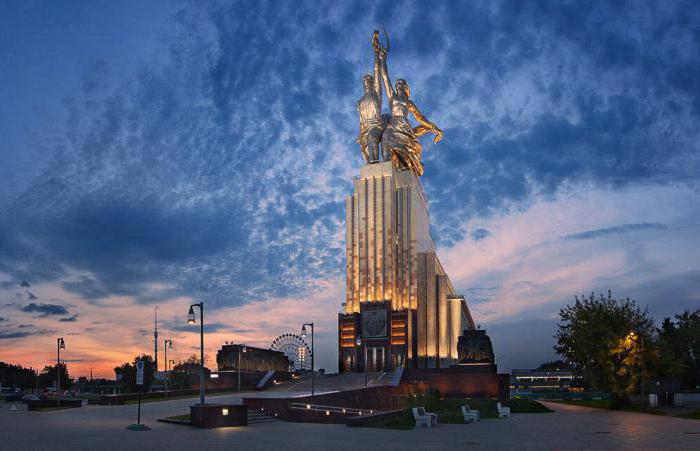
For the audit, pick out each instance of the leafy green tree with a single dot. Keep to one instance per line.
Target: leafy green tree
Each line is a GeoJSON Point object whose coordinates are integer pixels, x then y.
{"type": "Point", "coordinates": [127, 373]}
{"type": "Point", "coordinates": [48, 376]}
{"type": "Point", "coordinates": [610, 341]}
{"type": "Point", "coordinates": [17, 376]}
{"type": "Point", "coordinates": [555, 365]}
{"type": "Point", "coordinates": [186, 371]}
{"type": "Point", "coordinates": [680, 348]}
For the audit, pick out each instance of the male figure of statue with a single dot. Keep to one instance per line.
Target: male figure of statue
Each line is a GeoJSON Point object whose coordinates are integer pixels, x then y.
{"type": "Point", "coordinates": [372, 123]}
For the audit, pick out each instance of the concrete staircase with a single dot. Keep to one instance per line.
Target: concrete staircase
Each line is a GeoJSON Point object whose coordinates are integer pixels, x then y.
{"type": "Point", "coordinates": [255, 417]}
{"type": "Point", "coordinates": [335, 382]}
{"type": "Point", "coordinates": [265, 380]}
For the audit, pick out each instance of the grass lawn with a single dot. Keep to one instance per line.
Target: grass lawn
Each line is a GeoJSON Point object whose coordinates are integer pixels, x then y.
{"type": "Point", "coordinates": [691, 415]}
{"type": "Point", "coordinates": [185, 416]}
{"type": "Point", "coordinates": [48, 409]}
{"type": "Point", "coordinates": [606, 404]}
{"type": "Point", "coordinates": [449, 412]}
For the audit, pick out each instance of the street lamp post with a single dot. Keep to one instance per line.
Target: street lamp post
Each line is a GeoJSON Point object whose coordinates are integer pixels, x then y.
{"type": "Point", "coordinates": [634, 336]}
{"type": "Point", "coordinates": [313, 368]}
{"type": "Point", "coordinates": [241, 349]}
{"type": "Point", "coordinates": [191, 320]}
{"type": "Point", "coordinates": [364, 366]}
{"type": "Point", "coordinates": [60, 344]}
{"type": "Point", "coordinates": [166, 344]}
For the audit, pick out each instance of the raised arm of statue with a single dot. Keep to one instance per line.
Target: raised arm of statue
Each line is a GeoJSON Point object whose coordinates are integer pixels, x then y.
{"type": "Point", "coordinates": [425, 125]}
{"type": "Point", "coordinates": [390, 94]}
{"type": "Point", "coordinates": [377, 66]}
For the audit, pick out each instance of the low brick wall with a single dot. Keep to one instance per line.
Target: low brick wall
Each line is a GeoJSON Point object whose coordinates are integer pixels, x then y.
{"type": "Point", "coordinates": [218, 415]}
{"type": "Point", "coordinates": [38, 404]}
{"type": "Point", "coordinates": [115, 400]}
{"type": "Point", "coordinates": [365, 420]}
{"type": "Point", "coordinates": [459, 381]}
{"type": "Point", "coordinates": [383, 398]}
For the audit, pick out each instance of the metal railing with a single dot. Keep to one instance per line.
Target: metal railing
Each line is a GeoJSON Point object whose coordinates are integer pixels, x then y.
{"type": "Point", "coordinates": [330, 409]}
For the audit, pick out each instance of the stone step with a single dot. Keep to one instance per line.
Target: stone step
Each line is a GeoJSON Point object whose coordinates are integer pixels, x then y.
{"type": "Point", "coordinates": [256, 417]}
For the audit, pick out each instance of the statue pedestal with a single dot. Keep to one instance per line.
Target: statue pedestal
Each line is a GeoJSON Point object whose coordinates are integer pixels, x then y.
{"type": "Point", "coordinates": [463, 381]}
{"type": "Point", "coordinates": [399, 301]}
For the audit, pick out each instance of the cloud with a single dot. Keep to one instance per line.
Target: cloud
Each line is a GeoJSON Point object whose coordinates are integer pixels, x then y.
{"type": "Point", "coordinates": [170, 178]}
{"type": "Point", "coordinates": [45, 309]}
{"type": "Point", "coordinates": [10, 335]}
{"type": "Point", "coordinates": [86, 287]}
{"type": "Point", "coordinates": [69, 319]}
{"type": "Point", "coordinates": [529, 273]}
{"type": "Point", "coordinates": [625, 228]}
{"type": "Point", "coordinates": [209, 327]}
{"type": "Point", "coordinates": [480, 234]}
{"type": "Point", "coordinates": [217, 172]}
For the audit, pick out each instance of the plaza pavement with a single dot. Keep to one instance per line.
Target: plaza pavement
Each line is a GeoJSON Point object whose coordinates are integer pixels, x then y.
{"type": "Point", "coordinates": [570, 427]}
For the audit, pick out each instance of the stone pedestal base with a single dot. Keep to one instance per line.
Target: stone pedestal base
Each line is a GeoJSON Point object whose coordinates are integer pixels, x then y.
{"type": "Point", "coordinates": [218, 415]}
{"type": "Point", "coordinates": [460, 381]}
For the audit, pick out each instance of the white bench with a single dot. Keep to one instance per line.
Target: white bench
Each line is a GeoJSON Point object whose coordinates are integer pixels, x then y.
{"type": "Point", "coordinates": [502, 411]}
{"type": "Point", "coordinates": [424, 418]}
{"type": "Point", "coordinates": [469, 415]}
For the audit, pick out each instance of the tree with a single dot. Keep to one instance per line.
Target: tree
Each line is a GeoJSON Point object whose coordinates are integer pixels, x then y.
{"type": "Point", "coordinates": [186, 371]}
{"type": "Point", "coordinates": [127, 374]}
{"type": "Point", "coordinates": [555, 365]}
{"type": "Point", "coordinates": [609, 341]}
{"type": "Point", "coordinates": [680, 347]}
{"type": "Point", "coordinates": [48, 376]}
{"type": "Point", "coordinates": [17, 376]}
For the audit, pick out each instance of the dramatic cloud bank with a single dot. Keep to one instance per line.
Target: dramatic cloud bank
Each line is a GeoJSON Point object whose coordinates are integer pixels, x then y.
{"type": "Point", "coordinates": [215, 167]}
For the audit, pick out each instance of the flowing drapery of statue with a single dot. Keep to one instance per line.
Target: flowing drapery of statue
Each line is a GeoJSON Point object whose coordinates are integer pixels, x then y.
{"type": "Point", "coordinates": [397, 138]}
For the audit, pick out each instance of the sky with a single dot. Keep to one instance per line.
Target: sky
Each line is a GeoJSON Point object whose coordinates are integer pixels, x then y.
{"type": "Point", "coordinates": [165, 153]}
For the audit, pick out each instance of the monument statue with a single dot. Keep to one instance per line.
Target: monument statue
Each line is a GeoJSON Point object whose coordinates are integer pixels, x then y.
{"type": "Point", "coordinates": [372, 122]}
{"type": "Point", "coordinates": [474, 346]}
{"type": "Point", "coordinates": [399, 140]}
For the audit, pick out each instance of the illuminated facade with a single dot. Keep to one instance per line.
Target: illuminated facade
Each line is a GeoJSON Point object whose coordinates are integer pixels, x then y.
{"type": "Point", "coordinates": [399, 301]}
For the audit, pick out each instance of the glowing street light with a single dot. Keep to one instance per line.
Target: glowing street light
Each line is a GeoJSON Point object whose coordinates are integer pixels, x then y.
{"type": "Point", "coordinates": [60, 344]}
{"type": "Point", "coordinates": [359, 343]}
{"type": "Point", "coordinates": [191, 320]}
{"type": "Point", "coordinates": [303, 335]}
{"type": "Point", "coordinates": [167, 344]}
{"type": "Point", "coordinates": [241, 350]}
{"type": "Point", "coordinates": [634, 336]}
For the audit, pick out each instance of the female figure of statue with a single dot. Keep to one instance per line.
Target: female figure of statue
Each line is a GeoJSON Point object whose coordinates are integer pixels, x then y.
{"type": "Point", "coordinates": [400, 140]}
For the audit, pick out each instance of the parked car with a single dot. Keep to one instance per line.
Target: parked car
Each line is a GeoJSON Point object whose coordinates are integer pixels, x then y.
{"type": "Point", "coordinates": [30, 397]}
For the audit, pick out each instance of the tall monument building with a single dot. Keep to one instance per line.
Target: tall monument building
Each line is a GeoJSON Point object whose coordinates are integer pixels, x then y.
{"type": "Point", "coordinates": [400, 308]}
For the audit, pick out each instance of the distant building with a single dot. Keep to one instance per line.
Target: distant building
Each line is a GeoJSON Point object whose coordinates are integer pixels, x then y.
{"type": "Point", "coordinates": [544, 380]}
{"type": "Point", "coordinates": [251, 359]}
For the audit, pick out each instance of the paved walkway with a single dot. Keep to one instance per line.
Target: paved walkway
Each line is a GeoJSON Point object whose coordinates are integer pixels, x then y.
{"type": "Point", "coordinates": [570, 427]}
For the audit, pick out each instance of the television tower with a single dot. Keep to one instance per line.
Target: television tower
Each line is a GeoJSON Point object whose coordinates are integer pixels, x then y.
{"type": "Point", "coordinates": [155, 339]}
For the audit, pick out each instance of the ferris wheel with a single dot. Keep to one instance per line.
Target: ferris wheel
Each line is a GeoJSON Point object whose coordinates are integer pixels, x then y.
{"type": "Point", "coordinates": [296, 350]}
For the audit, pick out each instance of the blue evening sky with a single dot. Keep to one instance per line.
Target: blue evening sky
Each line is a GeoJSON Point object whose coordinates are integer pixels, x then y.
{"type": "Point", "coordinates": [159, 153]}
